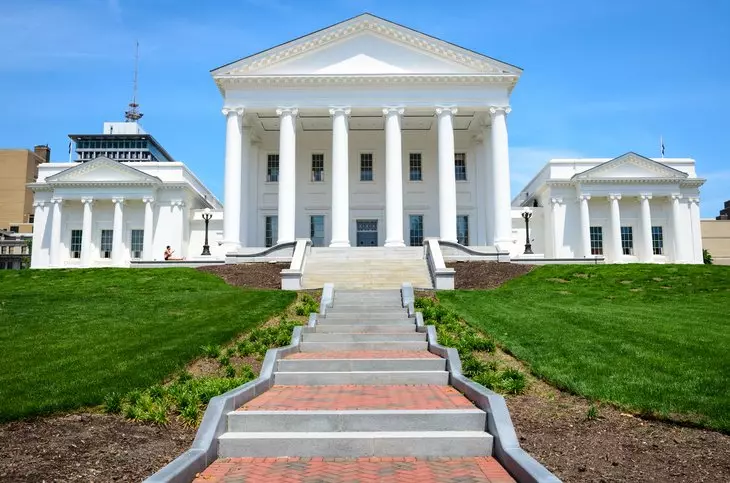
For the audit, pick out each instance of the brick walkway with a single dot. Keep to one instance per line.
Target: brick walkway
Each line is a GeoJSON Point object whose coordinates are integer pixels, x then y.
{"type": "Point", "coordinates": [350, 397]}
{"type": "Point", "coordinates": [364, 355]}
{"type": "Point", "coordinates": [359, 470]}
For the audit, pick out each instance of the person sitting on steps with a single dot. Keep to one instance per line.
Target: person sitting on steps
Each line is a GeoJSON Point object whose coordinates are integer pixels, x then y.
{"type": "Point", "coordinates": [168, 254]}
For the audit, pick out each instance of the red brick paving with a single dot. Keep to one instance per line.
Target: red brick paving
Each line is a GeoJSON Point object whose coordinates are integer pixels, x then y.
{"type": "Point", "coordinates": [364, 355]}
{"type": "Point", "coordinates": [355, 470]}
{"type": "Point", "coordinates": [351, 397]}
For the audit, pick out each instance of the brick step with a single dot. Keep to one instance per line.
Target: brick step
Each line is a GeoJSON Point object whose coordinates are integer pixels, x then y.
{"type": "Point", "coordinates": [365, 328]}
{"type": "Point", "coordinates": [365, 420]}
{"type": "Point", "coordinates": [411, 336]}
{"type": "Point", "coordinates": [334, 365]}
{"type": "Point", "coordinates": [360, 346]}
{"type": "Point", "coordinates": [379, 378]}
{"type": "Point", "coordinates": [420, 444]}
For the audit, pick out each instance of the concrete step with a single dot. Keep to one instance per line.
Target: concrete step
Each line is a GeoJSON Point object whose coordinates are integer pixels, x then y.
{"type": "Point", "coordinates": [333, 365]}
{"type": "Point", "coordinates": [367, 328]}
{"type": "Point", "coordinates": [363, 346]}
{"type": "Point", "coordinates": [370, 307]}
{"type": "Point", "coordinates": [361, 420]}
{"type": "Point", "coordinates": [353, 444]}
{"type": "Point", "coordinates": [337, 320]}
{"type": "Point", "coordinates": [389, 315]}
{"type": "Point", "coordinates": [361, 378]}
{"type": "Point", "coordinates": [330, 337]}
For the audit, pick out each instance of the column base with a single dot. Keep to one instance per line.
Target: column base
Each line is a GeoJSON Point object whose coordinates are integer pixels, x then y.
{"type": "Point", "coordinates": [450, 240]}
{"type": "Point", "coordinates": [394, 243]}
{"type": "Point", "coordinates": [340, 244]}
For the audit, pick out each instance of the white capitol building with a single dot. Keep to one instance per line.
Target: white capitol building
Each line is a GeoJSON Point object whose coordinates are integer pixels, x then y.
{"type": "Point", "coordinates": [365, 134]}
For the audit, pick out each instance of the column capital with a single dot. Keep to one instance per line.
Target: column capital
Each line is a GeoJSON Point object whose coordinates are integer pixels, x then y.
{"type": "Point", "coordinates": [87, 200]}
{"type": "Point", "coordinates": [499, 110]}
{"type": "Point", "coordinates": [645, 196]}
{"type": "Point", "coordinates": [614, 197]}
{"type": "Point", "coordinates": [179, 203]}
{"type": "Point", "coordinates": [232, 110]}
{"type": "Point", "coordinates": [676, 196]}
{"type": "Point", "coordinates": [390, 111]}
{"type": "Point", "coordinates": [37, 204]}
{"type": "Point", "coordinates": [584, 197]}
{"type": "Point", "coordinates": [57, 201]}
{"type": "Point", "coordinates": [556, 201]}
{"type": "Point", "coordinates": [446, 111]}
{"type": "Point", "coordinates": [287, 111]}
{"type": "Point", "coordinates": [118, 200]}
{"type": "Point", "coordinates": [148, 199]}
{"type": "Point", "coordinates": [694, 200]}
{"type": "Point", "coordinates": [340, 111]}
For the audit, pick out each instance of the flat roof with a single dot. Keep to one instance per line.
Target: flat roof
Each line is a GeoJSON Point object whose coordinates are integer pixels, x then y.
{"type": "Point", "coordinates": [148, 137]}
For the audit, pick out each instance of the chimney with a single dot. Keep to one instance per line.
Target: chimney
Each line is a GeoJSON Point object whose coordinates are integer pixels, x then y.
{"type": "Point", "coordinates": [43, 152]}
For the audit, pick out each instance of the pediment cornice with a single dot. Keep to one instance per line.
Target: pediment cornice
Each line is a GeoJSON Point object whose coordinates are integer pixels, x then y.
{"type": "Point", "coordinates": [603, 171]}
{"type": "Point", "coordinates": [78, 175]}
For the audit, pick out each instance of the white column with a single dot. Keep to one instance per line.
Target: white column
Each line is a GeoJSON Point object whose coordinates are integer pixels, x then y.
{"type": "Point", "coordinates": [393, 178]}
{"type": "Point", "coordinates": [646, 254]}
{"type": "Point", "coordinates": [615, 227]}
{"type": "Point", "coordinates": [118, 233]}
{"type": "Point", "coordinates": [287, 174]}
{"type": "Point", "coordinates": [147, 249]}
{"type": "Point", "coordinates": [679, 255]}
{"type": "Point", "coordinates": [502, 211]}
{"type": "Point", "coordinates": [56, 232]}
{"type": "Point", "coordinates": [585, 225]}
{"type": "Point", "coordinates": [243, 185]}
{"type": "Point", "coordinates": [557, 225]}
{"type": "Point", "coordinates": [488, 187]}
{"type": "Point", "coordinates": [178, 222]}
{"type": "Point", "coordinates": [232, 188]}
{"type": "Point", "coordinates": [447, 178]}
{"type": "Point", "coordinates": [340, 174]}
{"type": "Point", "coordinates": [86, 232]}
{"type": "Point", "coordinates": [694, 216]}
{"type": "Point", "coordinates": [39, 220]}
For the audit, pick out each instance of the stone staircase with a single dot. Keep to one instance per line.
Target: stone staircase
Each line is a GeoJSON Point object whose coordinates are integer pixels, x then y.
{"type": "Point", "coordinates": [363, 385]}
{"type": "Point", "coordinates": [354, 268]}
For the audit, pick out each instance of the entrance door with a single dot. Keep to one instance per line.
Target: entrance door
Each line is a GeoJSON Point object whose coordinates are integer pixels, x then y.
{"type": "Point", "coordinates": [367, 233]}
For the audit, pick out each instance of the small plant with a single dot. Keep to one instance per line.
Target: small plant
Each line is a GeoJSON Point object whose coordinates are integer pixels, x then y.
{"type": "Point", "coordinates": [592, 413]}
{"type": "Point", "coordinates": [511, 381]}
{"type": "Point", "coordinates": [306, 305]}
{"type": "Point", "coordinates": [230, 371]}
{"type": "Point", "coordinates": [210, 350]}
{"type": "Point", "coordinates": [113, 403]}
{"type": "Point", "coordinates": [190, 415]}
{"type": "Point", "coordinates": [706, 256]}
{"type": "Point", "coordinates": [224, 360]}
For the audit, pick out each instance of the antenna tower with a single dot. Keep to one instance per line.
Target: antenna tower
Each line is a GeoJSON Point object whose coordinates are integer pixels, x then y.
{"type": "Point", "coordinates": [133, 114]}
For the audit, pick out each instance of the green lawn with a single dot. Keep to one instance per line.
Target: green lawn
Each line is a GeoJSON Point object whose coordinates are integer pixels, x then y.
{"type": "Point", "coordinates": [69, 337]}
{"type": "Point", "coordinates": [653, 339]}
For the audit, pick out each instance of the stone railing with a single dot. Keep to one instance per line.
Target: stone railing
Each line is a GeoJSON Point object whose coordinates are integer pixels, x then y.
{"type": "Point", "coordinates": [441, 276]}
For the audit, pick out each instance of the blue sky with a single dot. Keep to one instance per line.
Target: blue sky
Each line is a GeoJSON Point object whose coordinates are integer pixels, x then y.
{"type": "Point", "coordinates": [602, 77]}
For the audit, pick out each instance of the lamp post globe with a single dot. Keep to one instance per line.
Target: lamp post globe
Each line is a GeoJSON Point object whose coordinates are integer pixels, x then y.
{"type": "Point", "coordinates": [207, 215]}
{"type": "Point", "coordinates": [526, 215]}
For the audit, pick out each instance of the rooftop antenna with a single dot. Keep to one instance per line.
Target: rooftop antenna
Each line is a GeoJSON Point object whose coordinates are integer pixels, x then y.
{"type": "Point", "coordinates": [133, 114]}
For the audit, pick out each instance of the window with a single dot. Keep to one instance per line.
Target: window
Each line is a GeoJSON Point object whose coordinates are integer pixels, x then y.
{"type": "Point", "coordinates": [14, 229]}
{"type": "Point", "coordinates": [416, 173]}
{"type": "Point", "coordinates": [318, 168]}
{"type": "Point", "coordinates": [106, 243]}
{"type": "Point", "coordinates": [460, 166]}
{"type": "Point", "coordinates": [4, 249]}
{"type": "Point", "coordinates": [366, 166]}
{"type": "Point", "coordinates": [271, 230]}
{"type": "Point", "coordinates": [596, 240]}
{"type": "Point", "coordinates": [316, 230]}
{"type": "Point", "coordinates": [462, 229]}
{"type": "Point", "coordinates": [31, 219]}
{"type": "Point", "coordinates": [657, 240]}
{"type": "Point", "coordinates": [416, 230]}
{"type": "Point", "coordinates": [24, 250]}
{"type": "Point", "coordinates": [627, 240]}
{"type": "Point", "coordinates": [76, 243]}
{"type": "Point", "coordinates": [272, 168]}
{"type": "Point", "coordinates": [137, 243]}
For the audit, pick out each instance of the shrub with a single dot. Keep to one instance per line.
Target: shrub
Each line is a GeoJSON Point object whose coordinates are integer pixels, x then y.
{"type": "Point", "coordinates": [224, 360]}
{"type": "Point", "coordinates": [230, 371]}
{"type": "Point", "coordinates": [706, 256]}
{"type": "Point", "coordinates": [113, 403]}
{"type": "Point", "coordinates": [511, 381]}
{"type": "Point", "coordinates": [210, 350]}
{"type": "Point", "coordinates": [190, 415]}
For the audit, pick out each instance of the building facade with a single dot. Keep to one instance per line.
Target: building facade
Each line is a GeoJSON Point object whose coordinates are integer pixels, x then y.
{"type": "Point", "coordinates": [18, 167]}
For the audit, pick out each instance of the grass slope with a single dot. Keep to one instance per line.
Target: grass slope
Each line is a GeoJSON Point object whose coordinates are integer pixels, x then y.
{"type": "Point", "coordinates": [69, 337]}
{"type": "Point", "coordinates": [652, 339]}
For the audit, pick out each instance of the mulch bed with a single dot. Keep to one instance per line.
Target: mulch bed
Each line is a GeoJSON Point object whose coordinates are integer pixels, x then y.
{"type": "Point", "coordinates": [253, 275]}
{"type": "Point", "coordinates": [87, 448]}
{"type": "Point", "coordinates": [617, 447]}
{"type": "Point", "coordinates": [485, 275]}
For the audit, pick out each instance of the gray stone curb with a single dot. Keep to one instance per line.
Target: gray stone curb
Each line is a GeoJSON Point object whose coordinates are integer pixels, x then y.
{"type": "Point", "coordinates": [328, 298]}
{"type": "Point", "coordinates": [204, 449]}
{"type": "Point", "coordinates": [523, 467]}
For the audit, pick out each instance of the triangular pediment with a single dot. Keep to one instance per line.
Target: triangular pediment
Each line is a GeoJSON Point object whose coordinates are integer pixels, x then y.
{"type": "Point", "coordinates": [102, 170]}
{"type": "Point", "coordinates": [630, 165]}
{"type": "Point", "coordinates": [366, 45]}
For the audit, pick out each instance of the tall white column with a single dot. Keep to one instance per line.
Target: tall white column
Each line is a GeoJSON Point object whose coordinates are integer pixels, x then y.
{"type": "Point", "coordinates": [40, 219]}
{"type": "Point", "coordinates": [694, 217]}
{"type": "Point", "coordinates": [394, 178]}
{"type": "Point", "coordinates": [243, 185]}
{"type": "Point", "coordinates": [502, 211]}
{"type": "Point", "coordinates": [557, 224]}
{"type": "Point", "coordinates": [118, 233]}
{"type": "Point", "coordinates": [488, 187]}
{"type": "Point", "coordinates": [232, 187]}
{"type": "Point", "coordinates": [287, 174]}
{"type": "Point", "coordinates": [585, 225]}
{"type": "Point", "coordinates": [178, 223]}
{"type": "Point", "coordinates": [340, 174]}
{"type": "Point", "coordinates": [86, 232]}
{"type": "Point", "coordinates": [646, 254]}
{"type": "Point", "coordinates": [147, 249]}
{"type": "Point", "coordinates": [447, 177]}
{"type": "Point", "coordinates": [615, 227]}
{"type": "Point", "coordinates": [56, 232]}
{"type": "Point", "coordinates": [679, 255]}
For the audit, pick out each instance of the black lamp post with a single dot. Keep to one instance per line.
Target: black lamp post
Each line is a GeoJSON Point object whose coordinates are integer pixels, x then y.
{"type": "Point", "coordinates": [526, 215]}
{"type": "Point", "coordinates": [207, 215]}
